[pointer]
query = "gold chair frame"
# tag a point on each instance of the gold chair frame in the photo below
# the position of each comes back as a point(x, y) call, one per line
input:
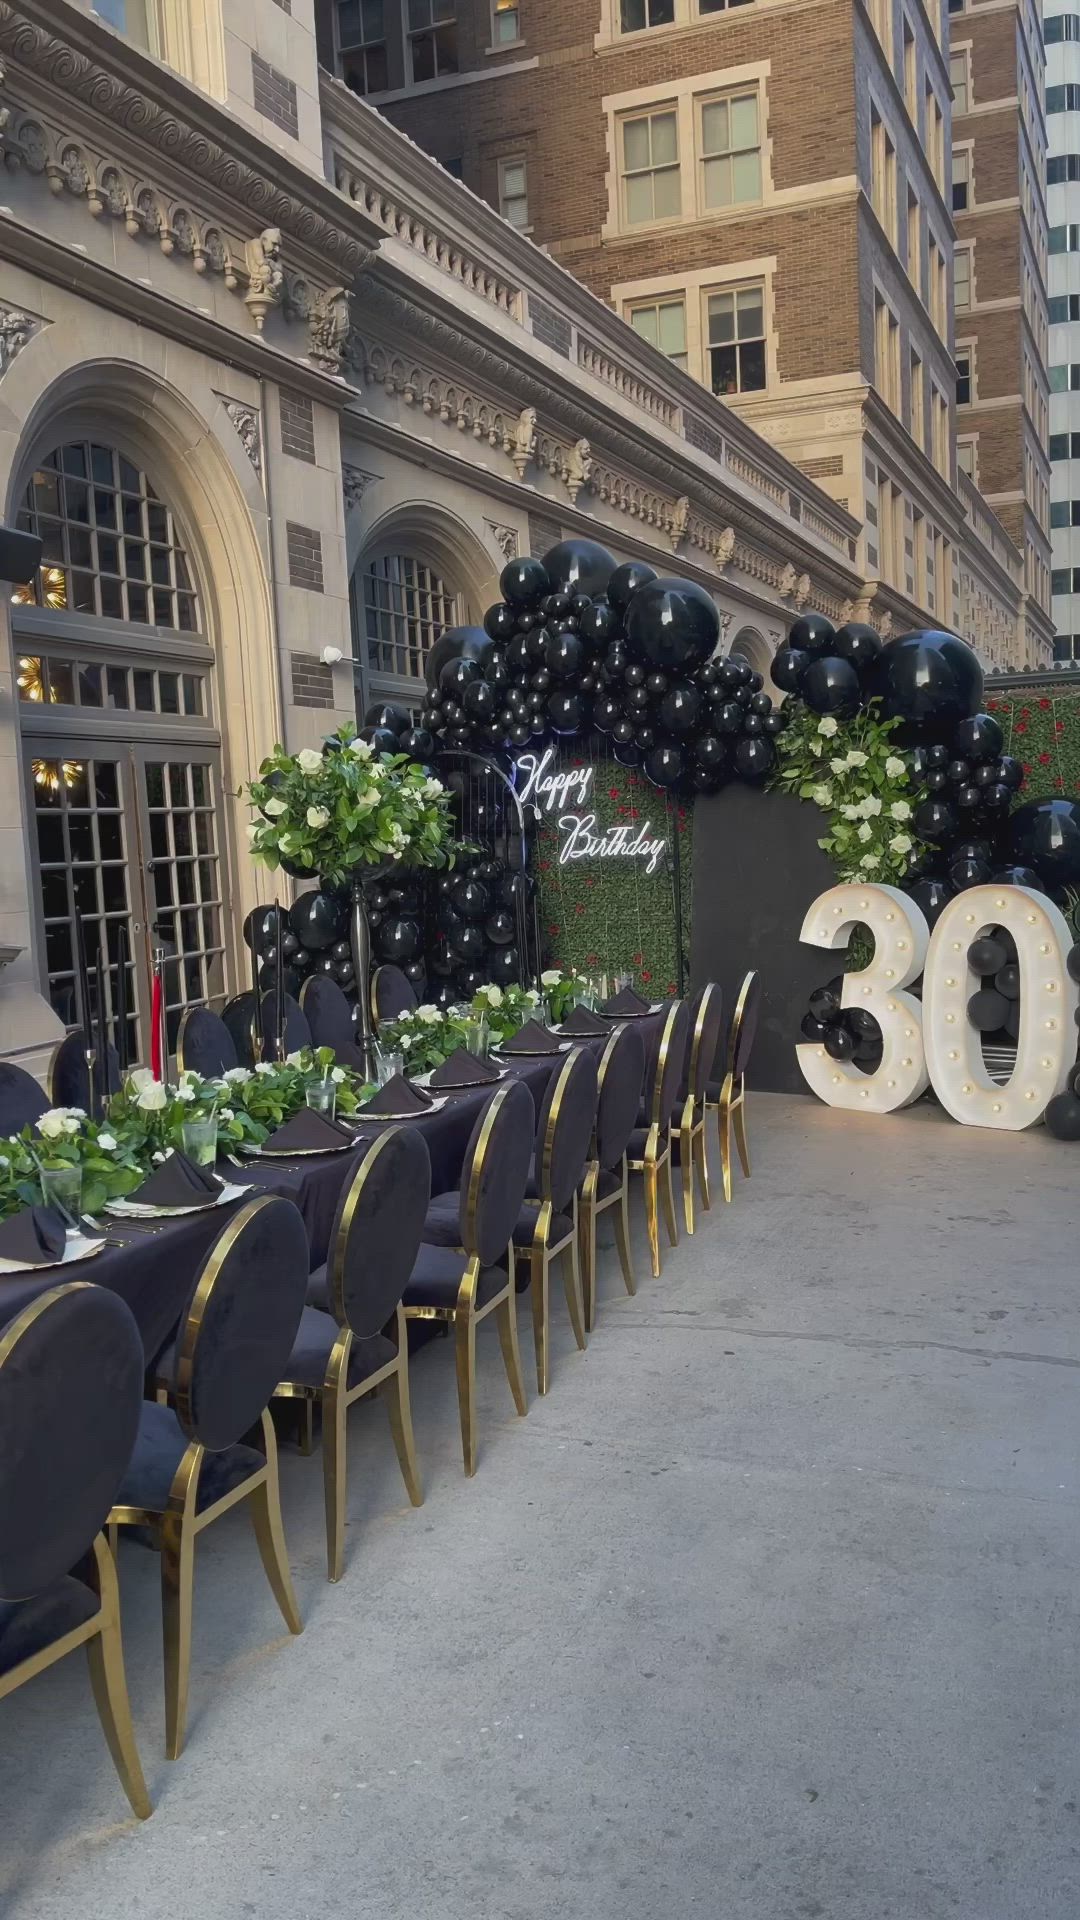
point(592, 1207)
point(543, 1250)
point(656, 1159)
point(336, 1396)
point(100, 1636)
point(692, 1123)
point(465, 1316)
point(731, 1106)
point(180, 1524)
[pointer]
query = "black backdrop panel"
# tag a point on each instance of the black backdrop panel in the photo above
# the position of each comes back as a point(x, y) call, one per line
point(757, 868)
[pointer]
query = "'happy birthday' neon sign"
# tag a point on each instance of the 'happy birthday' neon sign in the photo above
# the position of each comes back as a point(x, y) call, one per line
point(551, 789)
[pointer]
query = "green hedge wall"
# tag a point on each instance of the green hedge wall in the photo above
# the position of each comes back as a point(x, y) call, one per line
point(1042, 728)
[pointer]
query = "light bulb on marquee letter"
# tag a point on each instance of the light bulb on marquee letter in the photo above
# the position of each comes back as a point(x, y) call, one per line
point(1046, 1047)
point(900, 940)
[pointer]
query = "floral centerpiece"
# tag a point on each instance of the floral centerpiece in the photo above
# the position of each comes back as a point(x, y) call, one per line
point(854, 773)
point(64, 1137)
point(563, 988)
point(505, 1008)
point(425, 1036)
point(347, 808)
point(268, 1094)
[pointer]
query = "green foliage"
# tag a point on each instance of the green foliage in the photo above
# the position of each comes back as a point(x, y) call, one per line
point(562, 990)
point(854, 773)
point(331, 813)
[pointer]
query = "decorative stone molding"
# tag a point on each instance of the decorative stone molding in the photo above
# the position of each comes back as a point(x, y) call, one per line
point(265, 273)
point(680, 522)
point(248, 425)
point(16, 330)
point(329, 326)
point(523, 449)
point(802, 591)
point(577, 469)
point(505, 538)
point(354, 484)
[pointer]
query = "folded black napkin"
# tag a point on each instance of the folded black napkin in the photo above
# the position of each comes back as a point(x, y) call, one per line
point(397, 1099)
point(308, 1132)
point(626, 1001)
point(178, 1182)
point(583, 1022)
point(532, 1038)
point(35, 1235)
point(463, 1069)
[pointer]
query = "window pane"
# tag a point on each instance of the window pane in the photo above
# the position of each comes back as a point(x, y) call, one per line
point(746, 177)
point(668, 199)
point(721, 317)
point(718, 183)
point(665, 141)
point(714, 127)
point(635, 144)
point(750, 308)
point(672, 328)
point(752, 366)
point(744, 122)
point(644, 321)
point(639, 199)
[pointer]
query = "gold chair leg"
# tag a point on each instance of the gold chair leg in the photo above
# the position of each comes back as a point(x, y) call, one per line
point(723, 1123)
point(335, 1458)
point(465, 1347)
point(538, 1287)
point(686, 1163)
point(652, 1207)
point(667, 1191)
point(701, 1156)
point(105, 1655)
point(622, 1234)
point(740, 1133)
point(506, 1321)
point(572, 1289)
point(587, 1243)
point(177, 1594)
point(399, 1407)
point(270, 1533)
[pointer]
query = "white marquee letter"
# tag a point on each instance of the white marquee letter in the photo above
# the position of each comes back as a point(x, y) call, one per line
point(900, 939)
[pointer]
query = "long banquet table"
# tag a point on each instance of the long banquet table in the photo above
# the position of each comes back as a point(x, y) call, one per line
point(153, 1266)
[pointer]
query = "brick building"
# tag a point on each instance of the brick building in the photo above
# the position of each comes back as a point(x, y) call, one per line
point(1062, 32)
point(763, 192)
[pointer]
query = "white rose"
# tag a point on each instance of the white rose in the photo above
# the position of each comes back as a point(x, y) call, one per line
point(431, 789)
point(361, 748)
point(236, 1076)
point(53, 1123)
point(855, 758)
point(274, 808)
point(159, 1159)
point(838, 766)
point(153, 1098)
point(295, 1059)
point(225, 1114)
point(318, 817)
point(869, 861)
point(901, 843)
point(253, 832)
point(185, 1093)
point(871, 807)
point(551, 978)
point(865, 832)
point(309, 761)
point(365, 801)
point(495, 996)
point(827, 726)
point(106, 1142)
point(851, 812)
point(532, 997)
point(406, 1041)
point(894, 767)
point(900, 810)
point(337, 1075)
point(429, 1015)
point(264, 1066)
point(142, 1077)
point(822, 795)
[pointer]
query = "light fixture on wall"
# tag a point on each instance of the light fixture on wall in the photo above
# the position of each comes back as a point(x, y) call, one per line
point(48, 774)
point(51, 590)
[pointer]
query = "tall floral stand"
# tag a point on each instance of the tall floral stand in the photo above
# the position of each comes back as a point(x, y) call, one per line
point(360, 941)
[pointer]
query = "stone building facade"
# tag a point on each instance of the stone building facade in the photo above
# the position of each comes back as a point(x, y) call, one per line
point(281, 397)
point(1062, 33)
point(764, 192)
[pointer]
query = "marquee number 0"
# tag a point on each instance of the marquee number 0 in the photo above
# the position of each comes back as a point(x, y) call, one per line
point(935, 1042)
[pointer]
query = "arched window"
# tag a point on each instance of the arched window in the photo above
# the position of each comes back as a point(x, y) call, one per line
point(113, 677)
point(755, 648)
point(404, 605)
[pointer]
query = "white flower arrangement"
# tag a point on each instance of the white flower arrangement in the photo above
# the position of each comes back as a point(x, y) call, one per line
point(237, 1076)
point(309, 760)
point(59, 1121)
point(862, 783)
point(827, 726)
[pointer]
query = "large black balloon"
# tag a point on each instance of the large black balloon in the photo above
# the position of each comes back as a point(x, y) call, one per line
point(626, 580)
point(500, 927)
point(932, 896)
point(812, 633)
point(579, 566)
point(568, 711)
point(857, 643)
point(979, 738)
point(1062, 1117)
point(469, 898)
point(400, 939)
point(455, 643)
point(597, 625)
point(755, 757)
point(987, 1010)
point(467, 940)
point(261, 925)
point(1045, 834)
point(665, 765)
point(928, 680)
point(681, 708)
point(384, 713)
point(935, 820)
point(499, 621)
point(318, 919)
point(831, 685)
point(564, 655)
point(672, 625)
point(458, 673)
point(523, 582)
point(505, 966)
point(418, 743)
point(1019, 877)
point(787, 669)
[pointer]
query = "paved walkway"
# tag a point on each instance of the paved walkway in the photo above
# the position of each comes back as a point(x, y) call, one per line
point(770, 1611)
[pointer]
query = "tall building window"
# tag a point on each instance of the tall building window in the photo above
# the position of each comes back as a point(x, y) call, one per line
point(1061, 26)
point(1065, 513)
point(886, 353)
point(1065, 379)
point(914, 246)
point(917, 410)
point(938, 308)
point(650, 168)
point(959, 77)
point(433, 49)
point(1063, 99)
point(730, 152)
point(663, 324)
point(883, 175)
point(1065, 446)
point(962, 278)
point(637, 14)
point(935, 136)
point(514, 192)
point(361, 42)
point(1065, 239)
point(961, 179)
point(1062, 168)
point(505, 23)
point(966, 458)
point(939, 430)
point(963, 376)
point(736, 340)
point(1063, 306)
point(911, 73)
point(406, 606)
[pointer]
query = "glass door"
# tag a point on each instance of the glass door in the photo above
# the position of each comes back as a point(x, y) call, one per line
point(179, 796)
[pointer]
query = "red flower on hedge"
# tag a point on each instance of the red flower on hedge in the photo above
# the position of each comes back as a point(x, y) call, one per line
point(1021, 729)
point(1059, 726)
point(637, 958)
point(1059, 782)
point(1044, 704)
point(645, 974)
point(613, 793)
point(1044, 759)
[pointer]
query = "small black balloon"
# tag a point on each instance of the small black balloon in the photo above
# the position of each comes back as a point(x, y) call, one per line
point(626, 580)
point(813, 1030)
point(523, 582)
point(987, 1010)
point(606, 711)
point(969, 796)
point(935, 820)
point(1007, 980)
point(386, 714)
point(1010, 771)
point(681, 708)
point(959, 772)
point(598, 625)
point(1062, 1117)
point(932, 896)
point(568, 711)
point(729, 717)
point(753, 723)
point(505, 966)
point(579, 566)
point(499, 621)
point(1019, 877)
point(755, 758)
point(467, 941)
point(317, 919)
point(761, 703)
point(812, 634)
point(479, 701)
point(839, 1043)
point(418, 743)
point(261, 925)
point(657, 683)
point(458, 674)
point(623, 732)
point(986, 956)
point(775, 723)
point(824, 1004)
point(969, 873)
point(665, 765)
point(635, 676)
point(858, 643)
point(1072, 961)
point(399, 939)
point(500, 928)
point(979, 738)
point(564, 655)
point(936, 780)
point(470, 899)
point(711, 752)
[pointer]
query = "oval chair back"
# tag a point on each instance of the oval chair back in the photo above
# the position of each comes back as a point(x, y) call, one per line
point(621, 1079)
point(235, 1340)
point(297, 1031)
point(567, 1119)
point(22, 1100)
point(204, 1044)
point(496, 1171)
point(704, 1041)
point(392, 993)
point(71, 1386)
point(238, 1019)
point(377, 1231)
point(327, 1012)
point(69, 1075)
point(670, 1066)
point(744, 1025)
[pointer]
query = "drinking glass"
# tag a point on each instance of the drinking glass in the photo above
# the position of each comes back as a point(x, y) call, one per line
point(387, 1064)
point(61, 1187)
point(200, 1141)
point(321, 1097)
point(476, 1037)
point(623, 980)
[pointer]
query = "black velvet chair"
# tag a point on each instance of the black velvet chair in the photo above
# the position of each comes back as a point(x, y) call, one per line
point(330, 1017)
point(297, 1030)
point(22, 1100)
point(649, 1146)
point(620, 1084)
point(707, 1017)
point(238, 1019)
point(352, 1338)
point(731, 1102)
point(392, 993)
point(190, 1464)
point(464, 1284)
point(69, 1075)
point(205, 1045)
point(71, 1372)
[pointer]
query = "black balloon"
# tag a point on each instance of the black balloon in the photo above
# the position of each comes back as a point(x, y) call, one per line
point(1007, 980)
point(824, 1004)
point(261, 926)
point(831, 685)
point(839, 1043)
point(470, 899)
point(681, 708)
point(499, 621)
point(1072, 961)
point(383, 739)
point(455, 675)
point(1010, 771)
point(979, 738)
point(467, 940)
point(969, 873)
point(400, 939)
point(969, 796)
point(672, 625)
point(1019, 877)
point(812, 1029)
point(932, 896)
point(935, 820)
point(318, 919)
point(665, 765)
point(500, 927)
point(625, 582)
point(564, 655)
point(857, 643)
point(986, 956)
point(598, 625)
point(568, 711)
point(418, 743)
point(755, 758)
point(386, 714)
point(268, 978)
point(1045, 834)
point(524, 582)
point(456, 643)
point(812, 634)
point(1062, 1117)
point(729, 717)
point(606, 711)
point(480, 701)
point(987, 1010)
point(505, 966)
point(579, 566)
point(930, 681)
point(711, 753)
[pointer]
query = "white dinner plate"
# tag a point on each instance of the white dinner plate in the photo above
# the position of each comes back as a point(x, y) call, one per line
point(138, 1210)
point(77, 1247)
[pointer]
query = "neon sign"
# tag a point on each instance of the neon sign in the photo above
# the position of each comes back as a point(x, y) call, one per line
point(552, 789)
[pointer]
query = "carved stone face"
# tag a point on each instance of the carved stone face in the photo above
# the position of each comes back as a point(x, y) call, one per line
point(271, 243)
